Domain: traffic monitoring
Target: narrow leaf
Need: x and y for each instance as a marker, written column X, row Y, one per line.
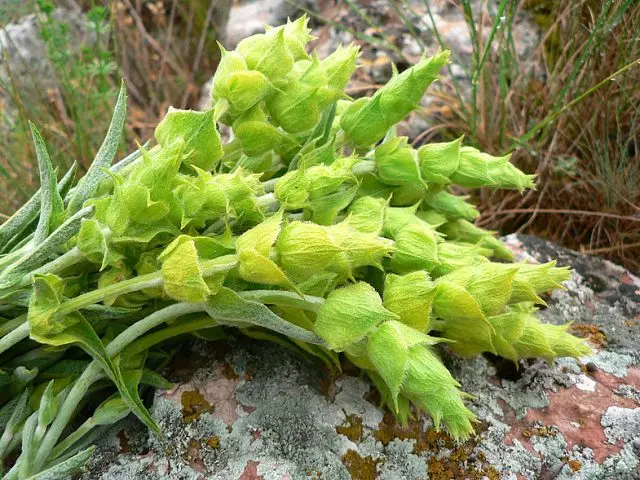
column 51, row 207
column 98, row 170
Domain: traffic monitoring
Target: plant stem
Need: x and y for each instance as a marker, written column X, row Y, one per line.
column 67, row 260
column 141, row 282
column 280, row 297
column 15, row 336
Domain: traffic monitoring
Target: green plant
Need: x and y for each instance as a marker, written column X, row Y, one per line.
column 316, row 226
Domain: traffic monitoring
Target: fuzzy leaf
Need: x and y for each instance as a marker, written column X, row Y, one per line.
column 181, row 272
column 349, row 314
column 203, row 145
column 229, row 308
column 411, row 298
column 51, row 207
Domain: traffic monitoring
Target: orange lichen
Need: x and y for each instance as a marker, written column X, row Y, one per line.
column 352, row 428
column 458, row 462
column 360, row 468
column 575, row 465
column 590, row 331
column 213, row 442
column 194, row 405
column 539, row 432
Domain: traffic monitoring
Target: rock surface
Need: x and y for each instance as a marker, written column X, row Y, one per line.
column 245, row 410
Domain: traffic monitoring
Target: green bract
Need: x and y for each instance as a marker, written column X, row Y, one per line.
column 314, row 226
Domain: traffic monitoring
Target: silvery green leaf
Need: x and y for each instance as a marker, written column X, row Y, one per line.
column 66, row 469
column 98, row 170
column 29, row 445
column 44, row 251
column 51, row 206
column 18, row 415
column 48, row 406
column 228, row 308
column 13, row 230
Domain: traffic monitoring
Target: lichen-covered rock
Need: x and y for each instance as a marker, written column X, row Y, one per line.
column 246, row 410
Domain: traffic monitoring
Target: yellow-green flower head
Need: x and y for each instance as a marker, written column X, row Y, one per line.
column 432, row 217
column 361, row 248
column 349, row 314
column 464, row 322
column 453, row 206
column 488, row 283
column 388, row 351
column 256, row 134
column 519, row 334
column 367, row 120
column 453, row 255
column 202, row 143
column 438, row 161
column 564, row 344
column 254, row 251
column 340, row 65
column 181, row 272
column 292, row 190
column 305, row 249
column 322, row 155
column 267, row 53
column 396, row 162
column 327, row 179
column 367, row 214
column 396, row 218
column 416, row 248
column 410, row 297
column 298, row 103
column 477, row 169
column 295, row 106
column 430, row 386
column 296, row 36
column 545, row 277
column 408, row 194
column 364, row 122
column 241, row 190
column 234, row 83
column 200, row 199
column 464, row 231
column 158, row 171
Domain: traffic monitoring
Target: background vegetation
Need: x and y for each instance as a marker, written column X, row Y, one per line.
column 574, row 119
